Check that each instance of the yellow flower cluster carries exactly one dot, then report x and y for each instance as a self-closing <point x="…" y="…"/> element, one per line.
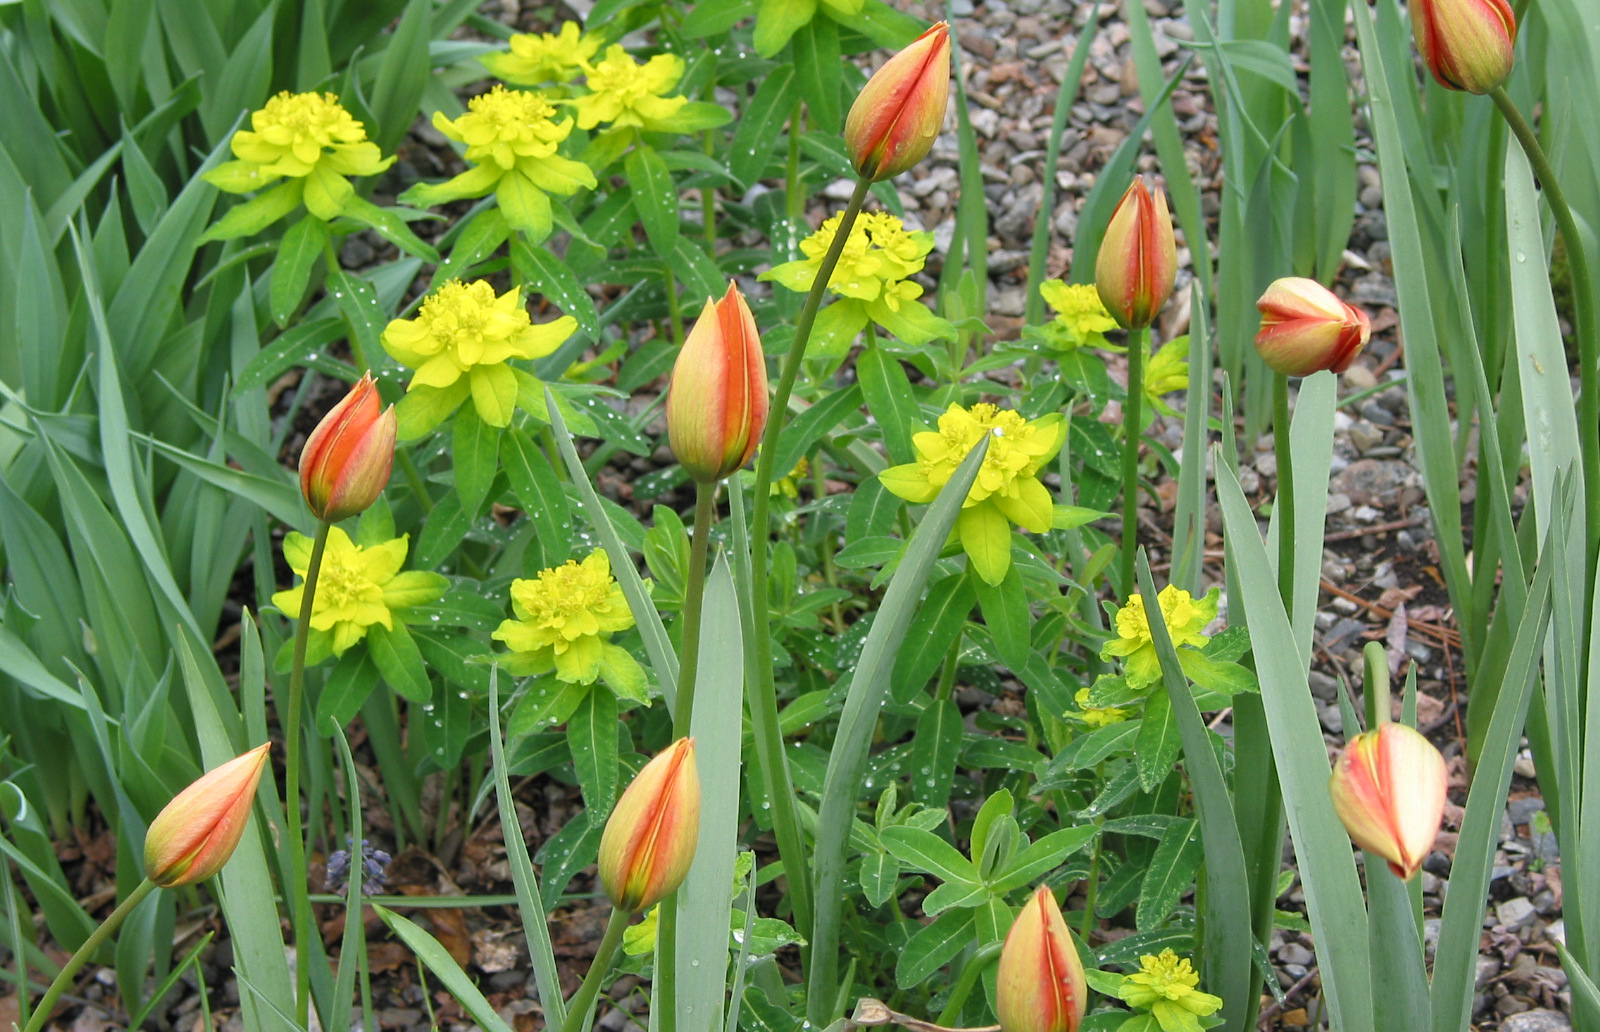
<point x="1165" y="986"/>
<point x="1098" y="716"/>
<point x="539" y="58"/>
<point x="1007" y="489"/>
<point x="459" y="344"/>
<point x="1185" y="616"/>
<point x="628" y="94"/>
<point x="1167" y="371"/>
<point x="356" y="588"/>
<point x="511" y="137"/>
<point x="1081" y="318"/>
<point x="564" y="617"/>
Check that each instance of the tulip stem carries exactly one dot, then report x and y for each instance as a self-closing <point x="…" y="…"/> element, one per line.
<point x="1131" y="415"/>
<point x="1583" y="304"/>
<point x="764" y="700"/>
<point x="965" y="983"/>
<point x="1284" y="508"/>
<point x="693" y="602"/>
<point x="583" y="999"/>
<point x="91" y="946"/>
<point x="1375" y="684"/>
<point x="289" y="722"/>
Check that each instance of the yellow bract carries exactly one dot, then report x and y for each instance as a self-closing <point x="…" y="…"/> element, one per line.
<point x="1098" y="716"/>
<point x="1185" y="616"/>
<point x="564" y="616"/>
<point x="878" y="255"/>
<point x="1007" y="489"/>
<point x="537" y="58"/>
<point x="459" y="344"/>
<point x="1081" y="317"/>
<point x="1167" y="981"/>
<point x="1167" y="371"/>
<point x="628" y="94"/>
<point x="357" y="588"/>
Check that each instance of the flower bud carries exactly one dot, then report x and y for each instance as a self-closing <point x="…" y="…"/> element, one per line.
<point x="347" y="458"/>
<point x="1388" y="788"/>
<point x="1305" y="328"/>
<point x="1040" y="985"/>
<point x="196" y="833"/>
<point x="650" y="837"/>
<point x="717" y="403"/>
<point x="1467" y="44"/>
<point x="900" y="110"/>
<point x="1138" y="258"/>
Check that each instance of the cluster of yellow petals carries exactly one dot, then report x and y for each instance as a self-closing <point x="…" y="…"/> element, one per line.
<point x="628" y="94"/>
<point x="358" y="587"/>
<point x="1081" y="317"/>
<point x="1167" y="981"/>
<point x="539" y="58"/>
<point x="563" y="617"/>
<point x="1185" y="616"/>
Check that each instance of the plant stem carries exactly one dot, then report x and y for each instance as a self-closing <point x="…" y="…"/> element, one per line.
<point x="583" y="999"/>
<point x="90" y="947"/>
<point x="1130" y="454"/>
<point x="966" y="981"/>
<point x="419" y="487"/>
<point x="1583" y="304"/>
<point x="1375" y="685"/>
<point x="693" y="602"/>
<point x="764" y="703"/>
<point x="673" y="309"/>
<point x="289" y="722"/>
<point x="1283" y="509"/>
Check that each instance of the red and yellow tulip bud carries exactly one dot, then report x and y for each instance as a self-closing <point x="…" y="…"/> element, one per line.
<point x="348" y="457"/>
<point x="1305" y="328"/>
<point x="1138" y="258"/>
<point x="197" y="832"/>
<point x="1468" y="45"/>
<point x="650" y="838"/>
<point x="1388" y="788"/>
<point x="1040" y="985"/>
<point x="900" y="110"/>
<point x="717" y="403"/>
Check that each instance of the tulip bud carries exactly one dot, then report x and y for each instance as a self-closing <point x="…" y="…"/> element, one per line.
<point x="717" y="402"/>
<point x="1040" y="985"/>
<point x="650" y="837"/>
<point x="1138" y="258"/>
<point x="1305" y="328"/>
<point x="900" y="110"/>
<point x="196" y="833"/>
<point x="1388" y="788"/>
<point x="1467" y="44"/>
<point x="347" y="458"/>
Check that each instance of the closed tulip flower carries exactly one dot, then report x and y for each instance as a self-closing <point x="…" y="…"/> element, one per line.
<point x="348" y="457"/>
<point x="1388" y="788"/>
<point x="1305" y="328"/>
<point x="650" y="838"/>
<point x="1138" y="258"/>
<point x="1040" y="984"/>
<point x="197" y="832"/>
<point x="717" y="402"/>
<point x="1468" y="45"/>
<point x="900" y="110"/>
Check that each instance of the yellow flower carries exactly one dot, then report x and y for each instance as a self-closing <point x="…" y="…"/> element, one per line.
<point x="511" y="136"/>
<point x="1098" y="716"/>
<point x="1007" y="489"/>
<point x="1185" y="616"/>
<point x="1165" y="986"/>
<point x="1081" y="317"/>
<point x="535" y="59"/>
<point x="873" y="278"/>
<point x="564" y="617"/>
<point x="789" y="484"/>
<point x="306" y="137"/>
<point x="631" y="95"/>
<point x="459" y="345"/>
<point x="358" y="587"/>
<point x="1167" y="371"/>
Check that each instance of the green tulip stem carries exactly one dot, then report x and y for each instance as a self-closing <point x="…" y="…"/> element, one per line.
<point x="693" y="602"/>
<point x="1131" y="415"/>
<point x="289" y="723"/>
<point x="91" y="946"/>
<point x="764" y="701"/>
<point x="1583" y="303"/>
<point x="1375" y="686"/>
<point x="966" y="982"/>
<point x="583" y="999"/>
<point x="1284" y="508"/>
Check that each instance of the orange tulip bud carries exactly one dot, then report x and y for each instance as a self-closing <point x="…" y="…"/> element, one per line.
<point x="1389" y="790"/>
<point x="1138" y="258"/>
<point x="1467" y="44"/>
<point x="1305" y="328"/>
<point x="347" y="458"/>
<point x="197" y="832"/>
<point x="650" y="837"/>
<point x="1040" y="985"/>
<point x="717" y="403"/>
<point x="900" y="110"/>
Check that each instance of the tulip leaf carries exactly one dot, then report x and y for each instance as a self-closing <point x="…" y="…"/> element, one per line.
<point x="438" y="960"/>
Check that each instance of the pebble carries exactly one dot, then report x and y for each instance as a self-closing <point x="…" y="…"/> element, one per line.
<point x="1294" y="953"/>
<point x="1537" y="1020"/>
<point x="1514" y="913"/>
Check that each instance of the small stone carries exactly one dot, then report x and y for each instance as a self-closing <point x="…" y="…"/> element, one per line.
<point x="1359" y="377"/>
<point x="1515" y="912"/>
<point x="1338" y="501"/>
<point x="1294" y="953"/>
<point x="1487" y="968"/>
<point x="1325" y="689"/>
<point x="1297" y="1018"/>
<point x="1332" y="719"/>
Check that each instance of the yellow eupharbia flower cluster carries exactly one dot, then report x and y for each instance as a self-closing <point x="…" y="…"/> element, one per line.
<point x="537" y="59"/>
<point x="564" y="617"/>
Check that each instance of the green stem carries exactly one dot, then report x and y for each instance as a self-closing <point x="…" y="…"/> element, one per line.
<point x="1583" y="303"/>
<point x="91" y="946"/>
<point x="764" y="704"/>
<point x="419" y="487"/>
<point x="693" y="602"/>
<point x="673" y="309"/>
<point x="1284" y="508"/>
<point x="289" y="721"/>
<point x="1130" y="454"/>
<point x="947" y="676"/>
<point x="966" y="981"/>
<point x="583" y="999"/>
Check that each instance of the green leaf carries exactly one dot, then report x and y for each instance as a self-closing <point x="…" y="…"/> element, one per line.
<point x="1208" y="673"/>
<point x="1170" y="874"/>
<point x="566" y="853"/>
<point x="547" y="702"/>
<point x="447" y="524"/>
<point x="476" y="448"/>
<point x="551" y="277"/>
<point x="934" y="749"/>
<point x="399" y="661"/>
<point x="299" y="250"/>
<point x="1042" y="856"/>
<point x="387" y="223"/>
<point x="986" y="538"/>
<point x="940" y="619"/>
<point x="592" y="735"/>
<point x="879" y="874"/>
<point x="934" y="946"/>
<point x="348" y="686"/>
<point x="438" y="960"/>
<point x="538" y="490"/>
<point x="865" y="553"/>
<point x="761" y="122"/>
<point x="402" y="76"/>
<point x="816" y="58"/>
<point x="714" y="17"/>
<point x="698" y="276"/>
<point x="815" y="423"/>
<point x="655" y="197"/>
<point x="1005" y="612"/>
<point x="1157" y="744"/>
<point x="888" y="392"/>
<point x="925" y="851"/>
<point x="357" y="299"/>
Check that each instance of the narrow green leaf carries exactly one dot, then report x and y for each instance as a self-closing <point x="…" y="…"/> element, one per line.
<point x="933" y="947"/>
<point x="438" y="960"/>
<point x="551" y="277"/>
<point x="476" y="449"/>
<point x="1157" y="745"/>
<point x="402" y="76"/>
<point x="888" y="392"/>
<point x="655" y="197"/>
<point x="761" y="122"/>
<point x="934" y="750"/>
<point x="592" y="734"/>
<point x="816" y="58"/>
<point x="812" y="425"/>
<point x="1005" y="612"/>
<point x="299" y="250"/>
<point x="1170" y="873"/>
<point x="925" y="851"/>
